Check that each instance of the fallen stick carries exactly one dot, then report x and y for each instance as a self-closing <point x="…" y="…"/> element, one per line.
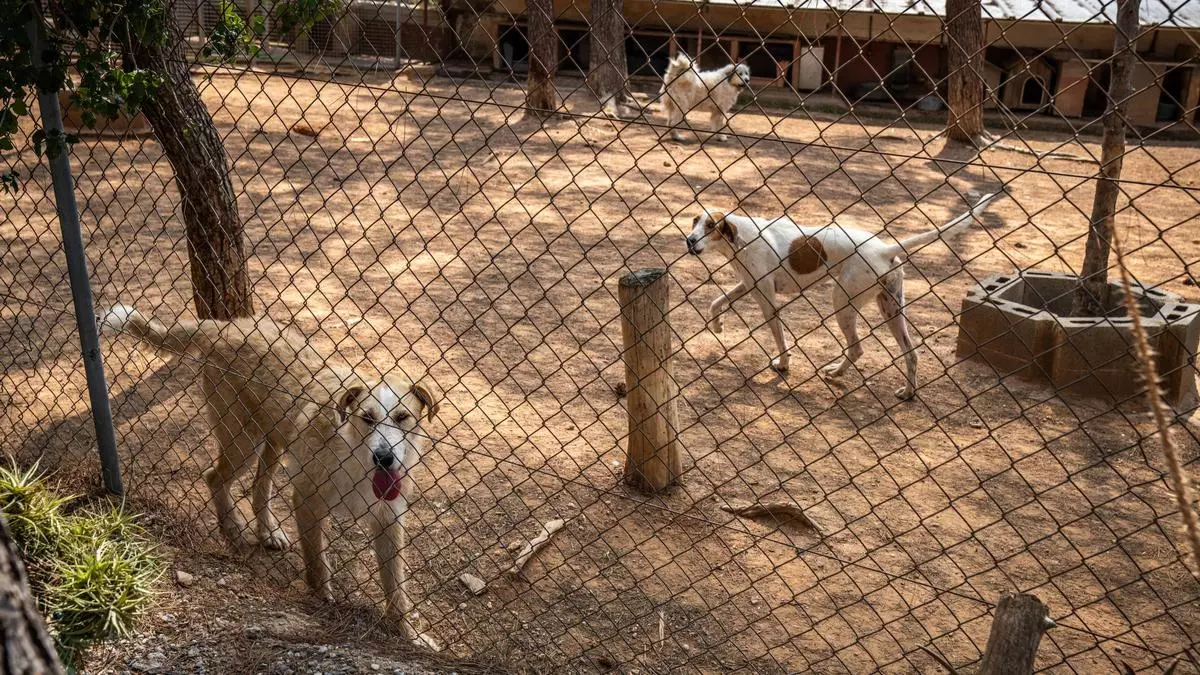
<point x="534" y="545"/>
<point x="780" y="512"/>
<point x="995" y="142"/>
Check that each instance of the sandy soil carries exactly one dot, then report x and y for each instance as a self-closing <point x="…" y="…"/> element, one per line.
<point x="433" y="229"/>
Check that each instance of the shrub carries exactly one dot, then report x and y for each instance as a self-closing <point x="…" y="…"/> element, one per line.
<point x="92" y="570"/>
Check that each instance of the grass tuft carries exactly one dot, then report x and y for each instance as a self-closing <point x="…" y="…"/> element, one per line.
<point x="93" y="570"/>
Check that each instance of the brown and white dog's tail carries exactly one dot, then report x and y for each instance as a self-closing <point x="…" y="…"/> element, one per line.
<point x="903" y="247"/>
<point x="185" y="335"/>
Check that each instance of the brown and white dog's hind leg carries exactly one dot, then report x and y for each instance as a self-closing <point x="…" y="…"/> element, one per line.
<point x="891" y="306"/>
<point x="847" y="319"/>
<point x="270" y="534"/>
<point x="722" y="303"/>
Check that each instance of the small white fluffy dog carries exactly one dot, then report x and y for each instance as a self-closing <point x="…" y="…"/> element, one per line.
<point x="688" y="89"/>
<point x="776" y="256"/>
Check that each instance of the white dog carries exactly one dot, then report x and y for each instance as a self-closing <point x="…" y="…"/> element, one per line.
<point x="688" y="89"/>
<point x="777" y="256"/>
<point x="351" y="441"/>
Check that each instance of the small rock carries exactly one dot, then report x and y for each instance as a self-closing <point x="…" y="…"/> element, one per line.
<point x="666" y="162"/>
<point x="322" y="649"/>
<point x="620" y="390"/>
<point x="1018" y="244"/>
<point x="193" y="652"/>
<point x="157" y="656"/>
<point x="253" y="632"/>
<point x="472" y="582"/>
<point x="977" y="424"/>
<point x="222" y="582"/>
<point x="184" y="579"/>
<point x="374" y="666"/>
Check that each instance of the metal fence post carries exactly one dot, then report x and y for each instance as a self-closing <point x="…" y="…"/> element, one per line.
<point x="77" y="272"/>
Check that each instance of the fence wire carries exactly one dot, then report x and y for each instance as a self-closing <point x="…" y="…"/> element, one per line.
<point x="407" y="211"/>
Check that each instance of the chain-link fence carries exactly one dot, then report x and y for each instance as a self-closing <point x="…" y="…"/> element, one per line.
<point x="406" y="211"/>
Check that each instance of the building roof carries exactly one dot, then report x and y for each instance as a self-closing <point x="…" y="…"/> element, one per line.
<point x="1165" y="13"/>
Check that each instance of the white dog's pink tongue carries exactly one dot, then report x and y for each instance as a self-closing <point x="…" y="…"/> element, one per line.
<point x="387" y="484"/>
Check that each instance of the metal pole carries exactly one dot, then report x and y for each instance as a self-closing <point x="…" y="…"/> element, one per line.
<point x="77" y="272"/>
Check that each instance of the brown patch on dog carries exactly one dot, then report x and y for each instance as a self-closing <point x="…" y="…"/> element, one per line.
<point x="806" y="255"/>
<point x="725" y="229"/>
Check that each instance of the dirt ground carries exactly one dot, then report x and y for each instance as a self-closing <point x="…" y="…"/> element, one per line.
<point x="431" y="228"/>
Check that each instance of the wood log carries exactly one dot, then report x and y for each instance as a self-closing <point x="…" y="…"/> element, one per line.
<point x="652" y="460"/>
<point x="1016" y="632"/>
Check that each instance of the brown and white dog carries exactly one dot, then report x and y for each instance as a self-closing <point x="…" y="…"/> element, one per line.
<point x="688" y="89"/>
<point x="776" y="256"/>
<point x="349" y="442"/>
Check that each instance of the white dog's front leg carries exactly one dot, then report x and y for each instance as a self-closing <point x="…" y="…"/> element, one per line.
<point x="719" y="122"/>
<point x="722" y="303"/>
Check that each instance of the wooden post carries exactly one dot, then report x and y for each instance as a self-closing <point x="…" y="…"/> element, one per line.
<point x="1092" y="292"/>
<point x="652" y="460"/>
<point x="1016" y="631"/>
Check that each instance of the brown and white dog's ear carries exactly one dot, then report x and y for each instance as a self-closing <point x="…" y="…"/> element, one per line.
<point x="429" y="395"/>
<point x="348" y="400"/>
<point x="724" y="228"/>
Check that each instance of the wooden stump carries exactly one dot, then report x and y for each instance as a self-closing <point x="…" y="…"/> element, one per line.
<point x="1015" y="635"/>
<point x="652" y="461"/>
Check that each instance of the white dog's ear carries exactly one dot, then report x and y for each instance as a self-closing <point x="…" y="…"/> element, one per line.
<point x="430" y="395"/>
<point x="348" y="400"/>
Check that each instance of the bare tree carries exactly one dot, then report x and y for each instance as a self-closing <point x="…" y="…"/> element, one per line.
<point x="1090" y="294"/>
<point x="541" y="96"/>
<point x="184" y="127"/>
<point x="964" y="29"/>
<point x="608" y="72"/>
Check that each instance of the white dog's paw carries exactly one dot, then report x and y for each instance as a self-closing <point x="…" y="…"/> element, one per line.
<point x="780" y="363"/>
<point x="424" y="640"/>
<point x="722" y="138"/>
<point x="678" y="137"/>
<point x="905" y="393"/>
<point x="716" y="325"/>
<point x="274" y="539"/>
<point x="833" y="370"/>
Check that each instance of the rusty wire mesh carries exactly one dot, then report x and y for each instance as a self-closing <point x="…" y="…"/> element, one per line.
<point x="432" y="226"/>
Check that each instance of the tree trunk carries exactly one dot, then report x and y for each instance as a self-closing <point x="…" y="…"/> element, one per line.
<point x="964" y="29"/>
<point x="26" y="646"/>
<point x="608" y="73"/>
<point x="184" y="127"/>
<point x="541" y="96"/>
<point x="1091" y="293"/>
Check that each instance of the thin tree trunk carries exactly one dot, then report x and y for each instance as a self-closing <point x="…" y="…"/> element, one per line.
<point x="184" y="127"/>
<point x="25" y="647"/>
<point x="541" y="96"/>
<point x="1091" y="293"/>
<point x="608" y="73"/>
<point x="964" y="28"/>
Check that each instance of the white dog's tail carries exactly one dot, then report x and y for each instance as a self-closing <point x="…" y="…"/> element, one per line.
<point x="183" y="336"/>
<point x="903" y="247"/>
<point x="675" y="68"/>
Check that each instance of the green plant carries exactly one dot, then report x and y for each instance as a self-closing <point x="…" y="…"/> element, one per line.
<point x="92" y="570"/>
